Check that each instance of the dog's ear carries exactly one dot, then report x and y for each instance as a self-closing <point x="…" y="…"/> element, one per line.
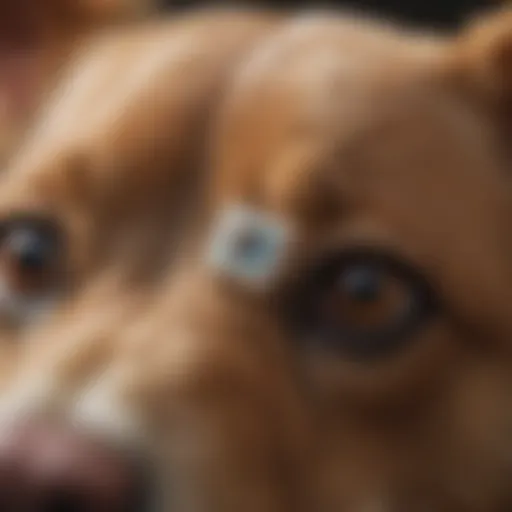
<point x="482" y="56"/>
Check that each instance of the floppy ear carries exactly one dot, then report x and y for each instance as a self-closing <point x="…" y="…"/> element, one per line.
<point x="483" y="53"/>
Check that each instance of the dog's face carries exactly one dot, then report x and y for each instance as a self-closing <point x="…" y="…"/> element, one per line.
<point x="343" y="340"/>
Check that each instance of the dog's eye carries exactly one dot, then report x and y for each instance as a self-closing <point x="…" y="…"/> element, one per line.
<point x="363" y="296"/>
<point x="29" y="254"/>
<point x="30" y="251"/>
<point x="361" y="304"/>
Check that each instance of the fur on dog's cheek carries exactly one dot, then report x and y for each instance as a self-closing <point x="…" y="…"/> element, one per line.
<point x="98" y="411"/>
<point x="25" y="396"/>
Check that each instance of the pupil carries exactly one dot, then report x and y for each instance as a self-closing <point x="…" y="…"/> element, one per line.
<point x="249" y="246"/>
<point x="362" y="284"/>
<point x="28" y="249"/>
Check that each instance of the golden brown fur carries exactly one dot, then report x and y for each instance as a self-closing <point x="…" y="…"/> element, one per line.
<point x="121" y="183"/>
<point x="358" y="136"/>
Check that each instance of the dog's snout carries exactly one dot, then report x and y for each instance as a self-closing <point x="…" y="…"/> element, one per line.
<point x="48" y="467"/>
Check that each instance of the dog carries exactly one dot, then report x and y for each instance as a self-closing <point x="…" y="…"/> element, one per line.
<point x="337" y="335"/>
<point x="36" y="42"/>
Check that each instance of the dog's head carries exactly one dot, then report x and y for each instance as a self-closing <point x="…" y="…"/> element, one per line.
<point x="344" y="335"/>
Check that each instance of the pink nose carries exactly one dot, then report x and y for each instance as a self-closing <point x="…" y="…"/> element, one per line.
<point x="50" y="468"/>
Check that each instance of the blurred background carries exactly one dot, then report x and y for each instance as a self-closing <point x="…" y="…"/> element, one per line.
<point x="440" y="14"/>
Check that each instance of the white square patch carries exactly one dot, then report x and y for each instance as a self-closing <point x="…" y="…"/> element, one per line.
<point x="248" y="245"/>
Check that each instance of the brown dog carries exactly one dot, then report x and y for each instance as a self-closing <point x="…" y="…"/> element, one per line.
<point x="371" y="343"/>
<point x="36" y="39"/>
<point x="342" y="340"/>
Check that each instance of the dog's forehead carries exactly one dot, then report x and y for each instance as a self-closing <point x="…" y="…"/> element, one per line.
<point x="310" y="110"/>
<point x="302" y="48"/>
<point x="391" y="146"/>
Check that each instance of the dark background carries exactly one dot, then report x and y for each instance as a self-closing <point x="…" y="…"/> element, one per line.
<point x="439" y="14"/>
